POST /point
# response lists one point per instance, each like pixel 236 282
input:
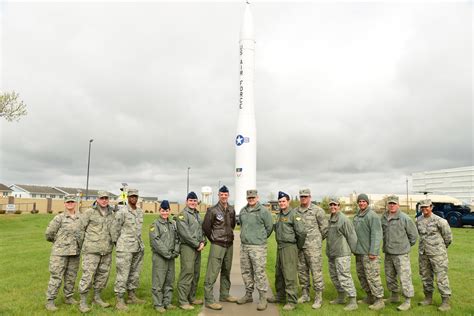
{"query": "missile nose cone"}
pixel 247 32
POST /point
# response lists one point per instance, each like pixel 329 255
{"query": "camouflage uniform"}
pixel 63 231
pixel 399 234
pixel 435 237
pixel 310 256
pixel 129 248
pixel 369 237
pixel 256 225
pixel 99 236
pixel 341 242
pixel 164 244
pixel 218 225
pixel 189 226
pixel 290 234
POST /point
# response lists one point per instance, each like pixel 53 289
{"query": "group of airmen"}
pixel 299 234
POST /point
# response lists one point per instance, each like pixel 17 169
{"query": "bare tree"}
pixel 12 108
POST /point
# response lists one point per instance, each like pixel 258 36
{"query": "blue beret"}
pixel 165 205
pixel 224 189
pixel 282 195
pixel 192 195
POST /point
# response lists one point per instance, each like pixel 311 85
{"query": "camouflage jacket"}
pixel 64 232
pixel 369 232
pixel 256 225
pixel 98 229
pixel 316 225
pixel 164 239
pixel 219 224
pixel 189 225
pixel 128 225
pixel 342 238
pixel 289 229
pixel 435 235
pixel 399 233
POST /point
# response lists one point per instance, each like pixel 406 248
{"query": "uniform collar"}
pixel 334 218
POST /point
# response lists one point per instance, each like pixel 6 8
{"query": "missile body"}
pixel 246 136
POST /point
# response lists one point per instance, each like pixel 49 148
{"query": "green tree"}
pixel 12 108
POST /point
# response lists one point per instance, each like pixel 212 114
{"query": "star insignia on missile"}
pixel 239 140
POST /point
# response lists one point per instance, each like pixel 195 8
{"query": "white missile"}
pixel 246 136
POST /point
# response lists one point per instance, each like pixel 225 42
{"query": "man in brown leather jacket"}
pixel 218 225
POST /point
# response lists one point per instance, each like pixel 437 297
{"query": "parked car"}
pixel 454 212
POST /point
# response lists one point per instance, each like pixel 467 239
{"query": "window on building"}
pixel 5 193
pixel 61 196
pixel 33 195
pixel 52 196
pixel 43 195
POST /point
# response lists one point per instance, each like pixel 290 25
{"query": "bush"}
pixel 50 212
pixel 2 211
pixel 17 212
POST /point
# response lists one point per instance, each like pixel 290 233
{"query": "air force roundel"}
pixel 240 140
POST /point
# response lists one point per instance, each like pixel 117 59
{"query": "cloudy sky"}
pixel 349 96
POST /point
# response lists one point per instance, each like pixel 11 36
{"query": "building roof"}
pixel 4 187
pixel 38 189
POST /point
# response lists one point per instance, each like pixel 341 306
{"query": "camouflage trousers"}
pixel 311 259
pixel 62 267
pixel 190 261
pixel 128 266
pixel 95 271
pixel 340 273
pixel 162 280
pixel 253 261
pixel 286 275
pixel 218 262
pixel 399 266
pixel 431 265
pixel 368 272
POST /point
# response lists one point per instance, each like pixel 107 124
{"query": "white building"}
pixel 455 182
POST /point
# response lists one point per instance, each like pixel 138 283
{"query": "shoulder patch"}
pixel 181 217
pixel 297 218
pixel 152 228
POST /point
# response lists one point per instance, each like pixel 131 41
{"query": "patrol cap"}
pixel 165 205
pixel 305 192
pixel 102 193
pixel 334 200
pixel 363 197
pixel 70 198
pixel 132 192
pixel 224 189
pixel 392 199
pixel 426 202
pixel 282 195
pixel 192 196
pixel 251 193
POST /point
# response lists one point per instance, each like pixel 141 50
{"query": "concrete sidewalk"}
pixel 238 289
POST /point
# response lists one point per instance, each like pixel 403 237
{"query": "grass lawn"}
pixel 24 258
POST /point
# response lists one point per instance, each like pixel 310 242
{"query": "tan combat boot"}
pixel 378 304
pixel 428 299
pixel 262 302
pixel 341 297
pixel 289 307
pixel 304 296
pixel 70 300
pixel 369 299
pixel 83 307
pixel 444 307
pixel 187 307
pixel 133 299
pixel 247 298
pixel 50 306
pixel 214 306
pixel 405 305
pixel 160 309
pixel 318 300
pixel 230 299
pixel 120 305
pixel 170 306
pixel 98 300
pixel 351 305
pixel 394 298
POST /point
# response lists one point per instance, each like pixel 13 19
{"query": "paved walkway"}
pixel 238 289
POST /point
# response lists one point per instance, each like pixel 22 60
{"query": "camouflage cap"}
pixel 131 192
pixel 70 198
pixel 392 199
pixel 426 202
pixel 102 193
pixel 363 197
pixel 251 193
pixel 334 199
pixel 305 192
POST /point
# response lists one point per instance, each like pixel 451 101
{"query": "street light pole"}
pixel 88 166
pixel 187 182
